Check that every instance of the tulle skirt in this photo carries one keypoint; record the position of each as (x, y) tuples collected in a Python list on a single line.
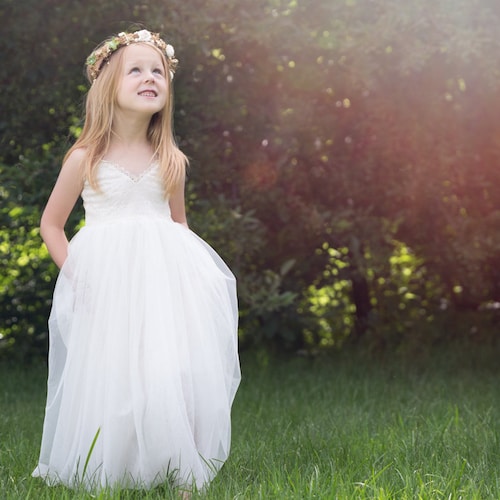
[(143, 363)]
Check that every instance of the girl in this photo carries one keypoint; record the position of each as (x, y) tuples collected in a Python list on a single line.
[(143, 362)]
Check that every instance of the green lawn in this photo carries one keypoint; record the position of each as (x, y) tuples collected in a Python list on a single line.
[(342, 426)]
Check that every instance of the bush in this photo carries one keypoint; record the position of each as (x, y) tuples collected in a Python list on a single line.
[(28, 273)]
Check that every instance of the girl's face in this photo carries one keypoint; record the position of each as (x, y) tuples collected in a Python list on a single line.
[(143, 86)]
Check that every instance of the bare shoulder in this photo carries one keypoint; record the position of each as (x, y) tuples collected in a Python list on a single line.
[(71, 176), (75, 160), (68, 187), (72, 171)]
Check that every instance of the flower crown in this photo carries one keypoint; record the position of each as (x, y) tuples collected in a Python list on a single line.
[(101, 55)]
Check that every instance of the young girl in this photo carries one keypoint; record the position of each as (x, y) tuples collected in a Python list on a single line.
[(143, 362)]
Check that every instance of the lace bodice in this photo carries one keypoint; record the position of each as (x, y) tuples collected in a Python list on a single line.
[(122, 195)]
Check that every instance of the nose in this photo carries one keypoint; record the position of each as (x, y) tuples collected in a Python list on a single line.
[(149, 77)]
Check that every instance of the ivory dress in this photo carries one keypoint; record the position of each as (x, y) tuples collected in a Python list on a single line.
[(143, 361)]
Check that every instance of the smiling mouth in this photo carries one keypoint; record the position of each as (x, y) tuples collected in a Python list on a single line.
[(148, 93)]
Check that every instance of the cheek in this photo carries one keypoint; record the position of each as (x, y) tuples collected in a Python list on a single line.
[(166, 90)]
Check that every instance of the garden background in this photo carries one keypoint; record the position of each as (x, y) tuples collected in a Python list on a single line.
[(345, 163), (344, 160)]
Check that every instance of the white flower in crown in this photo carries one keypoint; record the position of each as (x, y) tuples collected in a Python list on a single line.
[(169, 50), (144, 36)]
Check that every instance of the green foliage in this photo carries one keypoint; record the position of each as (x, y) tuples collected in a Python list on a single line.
[(329, 304), (28, 274), (25, 300), (26, 278), (263, 300), (405, 300), (268, 315), (332, 124)]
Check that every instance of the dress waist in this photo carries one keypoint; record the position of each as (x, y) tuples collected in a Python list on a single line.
[(126, 219)]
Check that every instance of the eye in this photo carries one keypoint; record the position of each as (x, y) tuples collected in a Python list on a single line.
[(158, 71), (134, 70)]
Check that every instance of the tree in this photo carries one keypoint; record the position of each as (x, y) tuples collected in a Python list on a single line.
[(360, 128)]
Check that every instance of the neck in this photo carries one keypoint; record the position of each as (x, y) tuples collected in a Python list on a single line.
[(130, 130)]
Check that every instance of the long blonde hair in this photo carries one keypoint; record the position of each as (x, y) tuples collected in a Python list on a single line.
[(95, 137)]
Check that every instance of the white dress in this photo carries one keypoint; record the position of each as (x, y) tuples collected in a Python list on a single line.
[(143, 362)]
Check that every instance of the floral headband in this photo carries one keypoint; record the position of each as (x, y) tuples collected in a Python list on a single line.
[(101, 55)]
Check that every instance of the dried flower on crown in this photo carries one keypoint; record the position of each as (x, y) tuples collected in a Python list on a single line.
[(100, 56)]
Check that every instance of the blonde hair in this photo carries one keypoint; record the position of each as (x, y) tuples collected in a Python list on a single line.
[(95, 137)]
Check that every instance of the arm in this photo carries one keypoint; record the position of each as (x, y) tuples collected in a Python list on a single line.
[(178, 205), (68, 187)]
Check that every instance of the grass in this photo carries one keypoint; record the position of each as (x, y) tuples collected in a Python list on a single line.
[(343, 426)]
